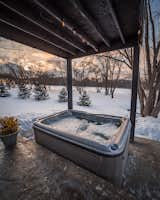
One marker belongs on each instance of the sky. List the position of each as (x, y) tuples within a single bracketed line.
[(10, 51)]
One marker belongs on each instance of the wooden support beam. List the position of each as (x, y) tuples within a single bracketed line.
[(37, 36), (115, 20), (135, 74), (41, 25), (79, 7), (52, 12), (12, 33), (69, 83), (115, 46)]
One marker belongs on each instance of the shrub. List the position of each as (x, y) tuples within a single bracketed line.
[(24, 91), (8, 125), (63, 96), (41, 92), (84, 99)]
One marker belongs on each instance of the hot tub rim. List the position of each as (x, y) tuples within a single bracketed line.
[(111, 153)]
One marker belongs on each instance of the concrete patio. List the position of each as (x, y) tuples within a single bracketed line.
[(30, 171)]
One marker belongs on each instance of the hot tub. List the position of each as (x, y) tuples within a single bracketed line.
[(98, 143)]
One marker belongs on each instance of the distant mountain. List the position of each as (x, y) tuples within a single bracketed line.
[(12, 69), (9, 68)]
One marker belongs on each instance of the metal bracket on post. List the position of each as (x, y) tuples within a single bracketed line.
[(135, 74), (69, 83)]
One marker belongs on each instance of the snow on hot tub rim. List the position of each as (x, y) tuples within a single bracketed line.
[(69, 112), (114, 148)]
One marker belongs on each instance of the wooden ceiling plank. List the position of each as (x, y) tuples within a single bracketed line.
[(115, 20), (79, 7), (16, 35), (42, 26), (34, 35), (52, 12)]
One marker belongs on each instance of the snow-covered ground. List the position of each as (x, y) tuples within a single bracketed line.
[(30, 109)]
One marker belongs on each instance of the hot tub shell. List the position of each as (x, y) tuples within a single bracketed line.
[(107, 161)]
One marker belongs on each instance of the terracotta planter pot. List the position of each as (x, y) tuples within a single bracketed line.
[(9, 140)]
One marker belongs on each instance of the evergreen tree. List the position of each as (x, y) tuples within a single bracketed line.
[(24, 91), (41, 92), (3, 90), (84, 99), (63, 95)]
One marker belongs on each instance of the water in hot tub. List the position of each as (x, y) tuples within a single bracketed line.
[(95, 131)]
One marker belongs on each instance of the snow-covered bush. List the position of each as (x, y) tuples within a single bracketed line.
[(3, 91), (84, 99), (24, 91), (63, 97), (41, 92)]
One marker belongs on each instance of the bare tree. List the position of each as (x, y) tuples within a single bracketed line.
[(96, 70), (62, 70), (114, 75), (19, 60), (148, 84), (110, 72), (42, 77), (80, 73), (105, 65)]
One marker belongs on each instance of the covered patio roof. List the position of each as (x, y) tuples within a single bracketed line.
[(71, 28), (76, 28)]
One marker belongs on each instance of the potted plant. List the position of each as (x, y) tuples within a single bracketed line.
[(8, 131)]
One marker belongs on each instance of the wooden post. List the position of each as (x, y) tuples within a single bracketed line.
[(69, 83), (135, 74)]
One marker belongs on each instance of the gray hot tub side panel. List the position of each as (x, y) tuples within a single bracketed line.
[(109, 165), (110, 168)]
